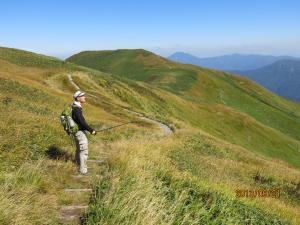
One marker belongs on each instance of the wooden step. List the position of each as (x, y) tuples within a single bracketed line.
[(72, 212), (78, 190), (101, 156), (74, 207), (97, 161), (80, 176)]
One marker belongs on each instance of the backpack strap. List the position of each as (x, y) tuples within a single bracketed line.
[(74, 105)]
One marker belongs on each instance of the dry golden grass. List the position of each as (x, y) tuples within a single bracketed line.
[(144, 202), (147, 172), (32, 193), (29, 195)]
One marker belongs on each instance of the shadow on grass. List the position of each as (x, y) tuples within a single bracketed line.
[(57, 153)]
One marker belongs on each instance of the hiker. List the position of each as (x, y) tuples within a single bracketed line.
[(81, 140)]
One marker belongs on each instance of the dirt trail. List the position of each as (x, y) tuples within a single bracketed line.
[(165, 128), (72, 214), (72, 82)]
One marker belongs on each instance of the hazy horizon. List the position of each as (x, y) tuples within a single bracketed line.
[(66, 55), (204, 29)]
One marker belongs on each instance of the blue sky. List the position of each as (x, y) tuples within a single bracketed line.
[(203, 28)]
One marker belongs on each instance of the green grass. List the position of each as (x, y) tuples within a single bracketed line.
[(155, 190), (181, 202), (250, 115), (137, 65), (25, 58), (228, 135), (198, 149), (28, 123)]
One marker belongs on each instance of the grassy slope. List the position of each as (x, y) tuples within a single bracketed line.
[(138, 65), (26, 58), (219, 98), (175, 180)]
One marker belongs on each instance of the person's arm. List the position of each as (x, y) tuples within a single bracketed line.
[(80, 119)]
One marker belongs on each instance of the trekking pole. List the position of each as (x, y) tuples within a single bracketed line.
[(115, 126)]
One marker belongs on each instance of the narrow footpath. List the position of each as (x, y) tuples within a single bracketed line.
[(79, 193)]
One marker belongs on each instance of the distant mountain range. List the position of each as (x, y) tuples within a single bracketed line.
[(281, 77), (280, 74), (228, 62)]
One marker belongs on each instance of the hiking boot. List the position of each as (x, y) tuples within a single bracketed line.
[(83, 171)]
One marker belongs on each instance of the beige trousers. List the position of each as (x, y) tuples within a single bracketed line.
[(81, 154)]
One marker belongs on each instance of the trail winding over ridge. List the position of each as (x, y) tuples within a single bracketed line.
[(73, 213), (165, 128)]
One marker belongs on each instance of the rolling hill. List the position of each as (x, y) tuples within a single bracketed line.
[(228, 62), (281, 77), (230, 134), (220, 97)]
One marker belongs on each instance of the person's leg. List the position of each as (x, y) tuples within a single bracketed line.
[(77, 153), (83, 150), (83, 161)]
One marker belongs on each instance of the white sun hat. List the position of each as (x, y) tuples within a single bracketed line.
[(78, 94)]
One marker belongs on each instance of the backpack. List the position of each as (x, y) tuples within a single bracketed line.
[(67, 121)]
